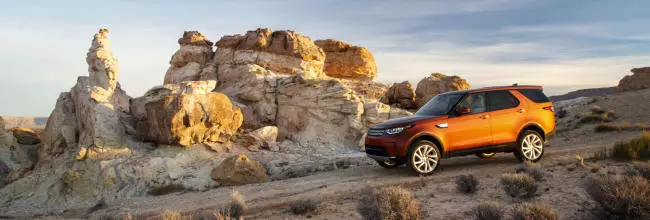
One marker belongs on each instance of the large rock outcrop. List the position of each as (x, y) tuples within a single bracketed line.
[(280, 51), (346, 61), (640, 79), (189, 115), (2, 125), (25, 136), (435, 84), (192, 60), (238, 170), (401, 95), (315, 111)]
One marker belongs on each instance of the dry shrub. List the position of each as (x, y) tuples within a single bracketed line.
[(601, 154), (237, 207), (597, 114), (389, 203), (232, 211), (634, 149), (519, 185), (537, 211), (627, 197), (486, 211), (171, 215), (466, 184), (533, 170), (303, 206), (607, 127)]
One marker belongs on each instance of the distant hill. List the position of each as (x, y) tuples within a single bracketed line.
[(584, 93), (29, 122)]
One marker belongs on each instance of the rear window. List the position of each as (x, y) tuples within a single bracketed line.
[(534, 95), (502, 99)]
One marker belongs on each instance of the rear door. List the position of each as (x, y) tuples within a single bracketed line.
[(508, 114), (469, 130), (540, 110)]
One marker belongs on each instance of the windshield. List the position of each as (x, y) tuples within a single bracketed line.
[(439, 105)]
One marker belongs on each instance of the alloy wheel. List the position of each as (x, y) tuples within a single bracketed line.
[(532, 146), (425, 158)]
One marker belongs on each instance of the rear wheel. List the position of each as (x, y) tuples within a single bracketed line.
[(486, 155), (389, 164), (423, 157), (530, 147)]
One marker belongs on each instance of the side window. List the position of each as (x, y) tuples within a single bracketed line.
[(475, 102), (534, 95), (502, 99)]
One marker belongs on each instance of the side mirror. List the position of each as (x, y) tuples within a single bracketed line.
[(463, 110)]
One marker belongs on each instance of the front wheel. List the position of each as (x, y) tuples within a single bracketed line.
[(424, 157), (530, 147), (388, 165)]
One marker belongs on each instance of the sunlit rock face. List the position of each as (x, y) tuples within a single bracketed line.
[(640, 79), (191, 60), (346, 61), (279, 51), (435, 84)]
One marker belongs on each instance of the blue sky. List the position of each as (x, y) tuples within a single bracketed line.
[(562, 45)]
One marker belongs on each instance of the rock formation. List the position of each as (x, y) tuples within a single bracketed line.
[(346, 61), (25, 136), (238, 170), (400, 94), (2, 125), (281, 51), (435, 84), (262, 138), (189, 115), (192, 60), (640, 79)]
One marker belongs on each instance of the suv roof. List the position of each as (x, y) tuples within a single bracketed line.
[(493, 88)]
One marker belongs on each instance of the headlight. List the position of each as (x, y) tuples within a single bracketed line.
[(397, 130)]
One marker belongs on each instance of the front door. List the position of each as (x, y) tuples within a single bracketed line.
[(472, 129)]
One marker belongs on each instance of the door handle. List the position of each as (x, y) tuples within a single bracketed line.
[(521, 110), (484, 117)]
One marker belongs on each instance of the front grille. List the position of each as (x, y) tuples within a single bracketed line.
[(376, 132), (377, 151)]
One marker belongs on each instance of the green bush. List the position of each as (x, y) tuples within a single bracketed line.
[(634, 149)]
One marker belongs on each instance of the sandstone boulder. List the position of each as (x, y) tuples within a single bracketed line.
[(189, 117), (400, 94), (239, 170), (280, 51), (25, 136), (640, 79), (346, 61), (102, 66), (369, 90), (191, 60), (435, 84), (313, 112), (255, 88), (262, 138)]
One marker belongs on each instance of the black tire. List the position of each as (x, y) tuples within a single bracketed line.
[(389, 165), (433, 154), (486, 155), (519, 152)]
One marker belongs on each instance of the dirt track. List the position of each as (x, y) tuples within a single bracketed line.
[(332, 186)]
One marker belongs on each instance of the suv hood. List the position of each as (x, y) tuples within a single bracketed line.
[(398, 122)]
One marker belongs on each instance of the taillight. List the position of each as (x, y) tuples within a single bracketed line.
[(550, 108)]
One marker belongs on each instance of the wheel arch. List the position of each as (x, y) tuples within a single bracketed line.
[(428, 137), (532, 127)]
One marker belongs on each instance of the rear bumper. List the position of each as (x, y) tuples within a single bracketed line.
[(381, 158)]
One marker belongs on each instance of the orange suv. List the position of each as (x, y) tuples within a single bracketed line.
[(483, 122)]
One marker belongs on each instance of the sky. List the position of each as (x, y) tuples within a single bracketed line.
[(561, 45)]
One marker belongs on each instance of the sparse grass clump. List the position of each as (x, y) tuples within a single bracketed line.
[(519, 185), (234, 210), (528, 211), (533, 170), (303, 206), (486, 211), (466, 184), (390, 202), (634, 149), (642, 170), (597, 114), (608, 127), (621, 198), (167, 189)]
